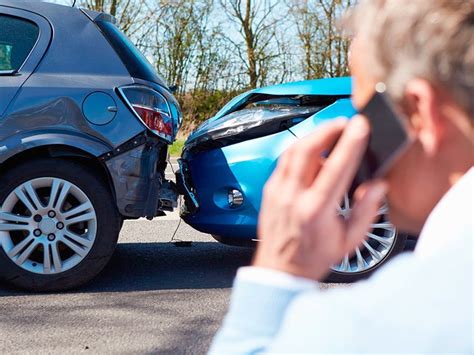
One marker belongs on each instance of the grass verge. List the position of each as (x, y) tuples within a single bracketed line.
[(177, 147)]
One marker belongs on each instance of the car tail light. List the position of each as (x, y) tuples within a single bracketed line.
[(151, 108), (155, 120)]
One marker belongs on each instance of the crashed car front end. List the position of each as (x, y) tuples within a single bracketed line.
[(222, 191), (227, 160)]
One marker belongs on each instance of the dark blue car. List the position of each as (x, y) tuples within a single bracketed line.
[(85, 125)]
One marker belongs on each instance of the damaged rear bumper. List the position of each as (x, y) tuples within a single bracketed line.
[(137, 169)]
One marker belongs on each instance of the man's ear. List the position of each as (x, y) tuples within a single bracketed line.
[(423, 107)]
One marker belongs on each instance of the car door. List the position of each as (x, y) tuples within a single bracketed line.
[(24, 38)]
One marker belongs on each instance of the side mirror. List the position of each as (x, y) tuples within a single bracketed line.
[(173, 88)]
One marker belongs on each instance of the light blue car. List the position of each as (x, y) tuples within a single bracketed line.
[(228, 159)]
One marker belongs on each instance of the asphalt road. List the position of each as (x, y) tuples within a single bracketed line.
[(154, 297)]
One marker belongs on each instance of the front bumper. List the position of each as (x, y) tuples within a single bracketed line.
[(186, 188), (206, 178), (137, 172)]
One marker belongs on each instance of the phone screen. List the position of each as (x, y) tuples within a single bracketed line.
[(388, 138)]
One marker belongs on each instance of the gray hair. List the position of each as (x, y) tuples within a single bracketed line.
[(429, 39)]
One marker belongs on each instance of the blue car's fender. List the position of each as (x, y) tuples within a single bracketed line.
[(341, 108)]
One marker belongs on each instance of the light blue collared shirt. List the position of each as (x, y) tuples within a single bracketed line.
[(419, 302)]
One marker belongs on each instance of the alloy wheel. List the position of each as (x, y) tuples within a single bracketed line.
[(376, 247), (47, 225)]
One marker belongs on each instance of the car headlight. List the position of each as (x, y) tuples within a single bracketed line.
[(247, 124)]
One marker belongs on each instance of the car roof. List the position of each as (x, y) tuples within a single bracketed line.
[(40, 7)]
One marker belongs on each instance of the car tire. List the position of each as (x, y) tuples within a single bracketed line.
[(84, 244), (398, 246), (383, 242), (346, 277)]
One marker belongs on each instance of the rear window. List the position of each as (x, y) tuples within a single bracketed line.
[(137, 65), (17, 39)]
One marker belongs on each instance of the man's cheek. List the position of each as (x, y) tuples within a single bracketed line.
[(399, 212), (395, 213), (402, 197), (397, 195)]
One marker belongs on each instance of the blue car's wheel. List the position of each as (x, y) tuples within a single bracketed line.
[(382, 243)]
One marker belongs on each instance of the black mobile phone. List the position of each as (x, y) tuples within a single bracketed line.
[(389, 137)]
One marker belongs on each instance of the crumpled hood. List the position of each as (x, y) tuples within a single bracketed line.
[(240, 120), (328, 86)]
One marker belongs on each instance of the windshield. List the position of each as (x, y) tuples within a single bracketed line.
[(137, 65)]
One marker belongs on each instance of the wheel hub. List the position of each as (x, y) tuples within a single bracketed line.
[(48, 225)]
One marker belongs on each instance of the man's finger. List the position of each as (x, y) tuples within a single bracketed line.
[(364, 213), (339, 169), (304, 158)]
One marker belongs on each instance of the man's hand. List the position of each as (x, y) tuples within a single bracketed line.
[(300, 230)]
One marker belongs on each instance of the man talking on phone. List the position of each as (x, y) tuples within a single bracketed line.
[(422, 54)]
